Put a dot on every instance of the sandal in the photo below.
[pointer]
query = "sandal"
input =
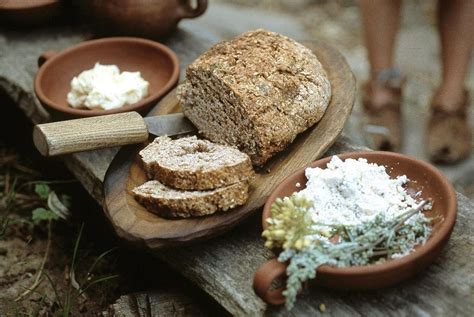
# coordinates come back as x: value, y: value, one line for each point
x: 383, y: 121
x: 448, y: 135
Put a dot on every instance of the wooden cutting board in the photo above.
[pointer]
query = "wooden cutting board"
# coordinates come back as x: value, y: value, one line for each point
x: 134, y: 223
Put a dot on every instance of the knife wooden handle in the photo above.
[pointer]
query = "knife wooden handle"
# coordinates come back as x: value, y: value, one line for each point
x: 89, y: 133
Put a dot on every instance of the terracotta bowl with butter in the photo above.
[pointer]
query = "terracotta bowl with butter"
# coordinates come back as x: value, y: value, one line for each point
x: 422, y: 176
x: 157, y: 64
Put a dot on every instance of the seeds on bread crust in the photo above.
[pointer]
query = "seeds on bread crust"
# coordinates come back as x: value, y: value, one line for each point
x: 173, y: 203
x: 193, y: 164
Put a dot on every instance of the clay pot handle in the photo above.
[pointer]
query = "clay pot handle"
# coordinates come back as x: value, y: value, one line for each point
x: 263, y: 279
x: 187, y: 11
x: 45, y: 56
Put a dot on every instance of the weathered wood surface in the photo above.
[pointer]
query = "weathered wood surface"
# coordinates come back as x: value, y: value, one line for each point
x: 171, y: 303
x: 134, y: 223
x: 224, y: 266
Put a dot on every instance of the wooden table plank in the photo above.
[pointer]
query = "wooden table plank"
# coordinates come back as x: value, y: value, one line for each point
x: 171, y: 303
x: 224, y: 266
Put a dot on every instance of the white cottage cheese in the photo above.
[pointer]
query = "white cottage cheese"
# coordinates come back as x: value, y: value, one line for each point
x: 104, y: 87
x: 354, y: 191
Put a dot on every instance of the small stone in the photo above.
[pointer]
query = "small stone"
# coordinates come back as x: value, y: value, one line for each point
x: 322, y: 307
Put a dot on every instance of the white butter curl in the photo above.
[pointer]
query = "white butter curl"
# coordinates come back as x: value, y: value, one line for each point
x: 104, y: 87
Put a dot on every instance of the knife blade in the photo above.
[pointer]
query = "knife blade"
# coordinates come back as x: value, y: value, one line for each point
x: 169, y: 124
x: 105, y: 131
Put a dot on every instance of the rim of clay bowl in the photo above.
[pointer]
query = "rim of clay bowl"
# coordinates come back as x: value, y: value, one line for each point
x: 443, y: 231
x: 15, y: 4
x: 90, y: 113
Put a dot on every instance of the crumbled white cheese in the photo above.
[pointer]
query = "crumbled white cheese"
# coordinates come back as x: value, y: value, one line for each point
x: 353, y: 192
x: 104, y: 87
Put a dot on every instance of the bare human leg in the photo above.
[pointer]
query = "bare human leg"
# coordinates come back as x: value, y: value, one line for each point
x: 381, y: 20
x: 382, y: 93
x: 449, y: 135
x: 456, y: 29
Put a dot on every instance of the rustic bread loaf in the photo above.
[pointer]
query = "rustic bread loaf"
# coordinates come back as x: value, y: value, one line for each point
x: 193, y: 164
x: 256, y: 92
x: 171, y: 203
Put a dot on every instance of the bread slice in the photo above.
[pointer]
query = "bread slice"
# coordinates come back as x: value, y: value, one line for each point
x: 256, y: 92
x: 193, y: 164
x: 172, y: 203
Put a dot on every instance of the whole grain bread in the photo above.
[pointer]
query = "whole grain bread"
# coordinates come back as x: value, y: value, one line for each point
x: 193, y: 164
x: 256, y: 92
x: 172, y: 203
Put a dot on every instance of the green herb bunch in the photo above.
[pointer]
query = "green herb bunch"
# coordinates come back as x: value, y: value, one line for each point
x: 292, y: 229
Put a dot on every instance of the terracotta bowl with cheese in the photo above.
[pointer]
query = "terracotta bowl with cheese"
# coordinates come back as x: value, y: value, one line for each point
x: 157, y: 64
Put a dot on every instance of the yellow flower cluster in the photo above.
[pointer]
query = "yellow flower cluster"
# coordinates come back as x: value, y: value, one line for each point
x: 290, y: 224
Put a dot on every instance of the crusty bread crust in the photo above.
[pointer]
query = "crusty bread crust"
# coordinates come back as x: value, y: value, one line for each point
x: 192, y: 164
x: 256, y: 92
x: 172, y: 203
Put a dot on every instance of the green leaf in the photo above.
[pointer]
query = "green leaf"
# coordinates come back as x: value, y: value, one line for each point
x: 42, y: 190
x: 40, y: 214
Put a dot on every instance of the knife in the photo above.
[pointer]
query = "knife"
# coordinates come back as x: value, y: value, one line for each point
x: 105, y: 131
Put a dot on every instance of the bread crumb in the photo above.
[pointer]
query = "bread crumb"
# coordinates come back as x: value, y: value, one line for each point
x: 298, y: 185
x: 322, y: 307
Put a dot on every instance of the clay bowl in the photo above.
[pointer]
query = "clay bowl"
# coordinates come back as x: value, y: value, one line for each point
x: 423, y: 176
x: 157, y: 63
x: 32, y: 12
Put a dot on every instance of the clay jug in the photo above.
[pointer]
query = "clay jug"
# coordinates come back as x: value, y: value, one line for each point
x: 144, y: 18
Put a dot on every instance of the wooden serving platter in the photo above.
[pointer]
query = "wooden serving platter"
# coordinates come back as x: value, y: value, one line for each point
x: 134, y: 223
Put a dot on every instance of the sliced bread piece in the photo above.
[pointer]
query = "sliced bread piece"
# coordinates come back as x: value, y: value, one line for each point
x: 172, y: 203
x: 193, y: 164
x: 256, y: 92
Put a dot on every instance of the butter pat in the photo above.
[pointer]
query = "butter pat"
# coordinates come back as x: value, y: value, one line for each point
x: 105, y: 87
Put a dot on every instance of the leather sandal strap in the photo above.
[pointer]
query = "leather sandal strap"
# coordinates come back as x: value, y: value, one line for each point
x: 393, y: 104
x: 459, y: 110
x: 390, y: 79
x: 389, y: 76
x: 442, y: 112
x: 389, y: 106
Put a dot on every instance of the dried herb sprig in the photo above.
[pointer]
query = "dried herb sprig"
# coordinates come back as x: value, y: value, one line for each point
x: 291, y: 228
